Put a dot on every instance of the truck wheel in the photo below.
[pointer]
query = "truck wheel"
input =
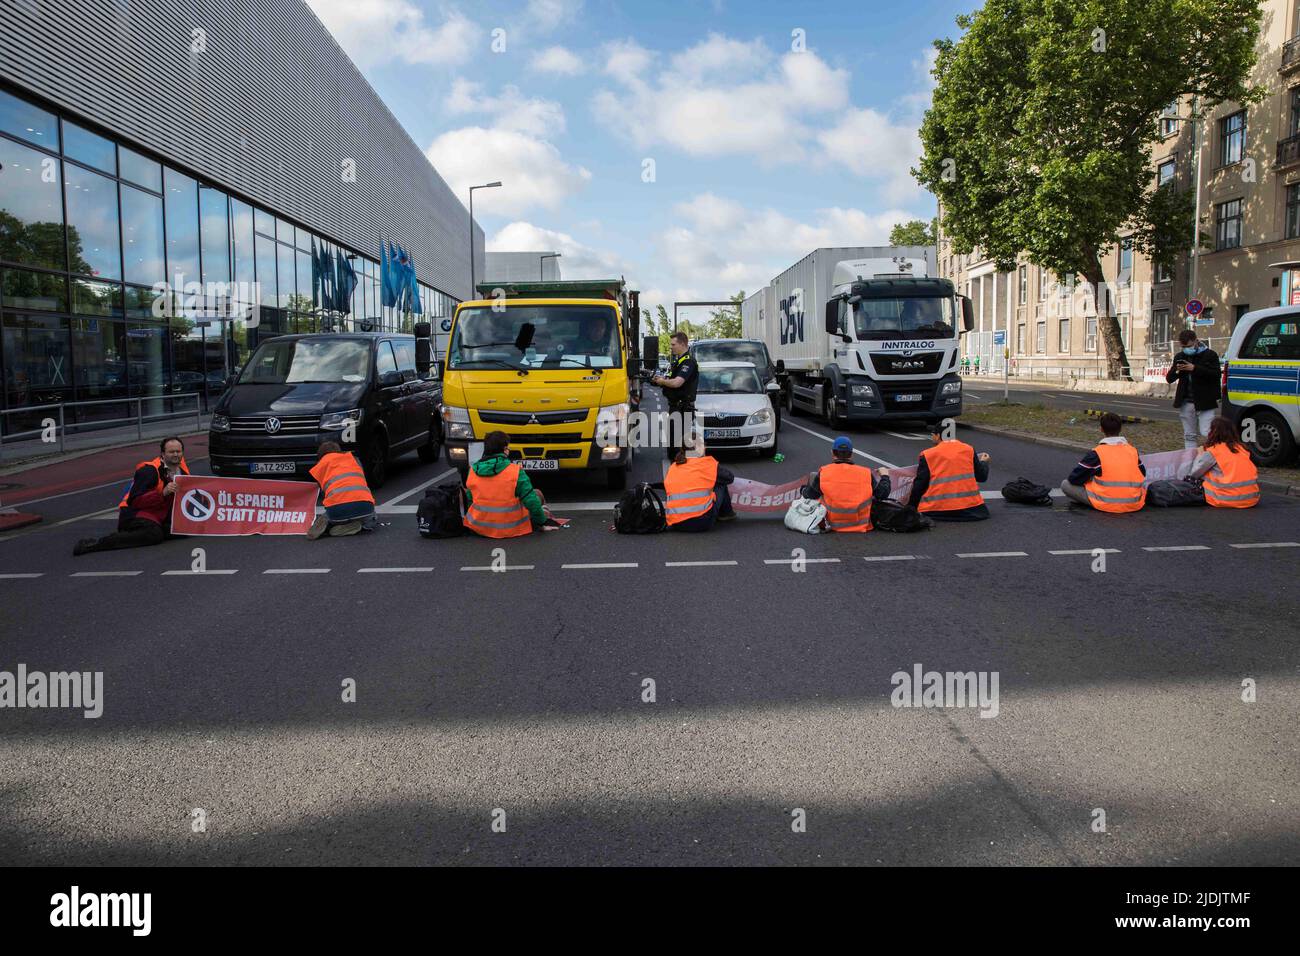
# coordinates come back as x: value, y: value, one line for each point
x: 1273, y: 444
x: 616, y: 478
x: 833, y: 421
x: 376, y: 462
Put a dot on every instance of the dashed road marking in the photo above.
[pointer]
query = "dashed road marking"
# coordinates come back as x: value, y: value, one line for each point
x: 596, y: 567
x: 30, y: 574
x: 801, y: 560
x: 1269, y: 544
x: 392, y: 570
x: 200, y: 574
x: 1179, y: 547
x: 909, y: 437
x: 105, y: 574
x: 699, y: 564
x: 1088, y: 551
x: 994, y: 554
x: 86, y: 517
x: 296, y: 571
x: 509, y: 567
x: 382, y: 508
x: 890, y: 557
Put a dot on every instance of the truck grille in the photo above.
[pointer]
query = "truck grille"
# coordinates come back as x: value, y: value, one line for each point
x: 567, y: 417
x: 924, y: 363
x: 546, y: 438
x: 289, y: 425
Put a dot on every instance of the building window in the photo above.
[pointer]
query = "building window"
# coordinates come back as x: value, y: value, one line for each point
x: 94, y: 243
x: 27, y: 122
x: 1227, y: 225
x: 1063, y: 337
x: 1293, y: 211
x: 1165, y: 172
x: 1164, y: 273
x: 1169, y: 119
x: 1024, y: 284
x: 1044, y: 283
x: 1041, y: 345
x: 142, y: 236
x: 182, y: 214
x: 1160, y: 329
x: 1293, y: 126
x: 1125, y: 322
x: 85, y: 147
x: 31, y: 206
x: 1020, y: 338
x: 1241, y: 311
x: 1090, y: 334
x: 1232, y: 138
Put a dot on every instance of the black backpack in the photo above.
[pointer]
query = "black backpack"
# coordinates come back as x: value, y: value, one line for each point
x: 1022, y: 491
x: 440, y: 511
x: 1175, y: 493
x: 892, y: 516
x: 640, y: 511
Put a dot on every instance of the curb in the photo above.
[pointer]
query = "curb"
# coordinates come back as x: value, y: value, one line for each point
x: 1128, y: 419
x: 1276, y: 487
x: 28, y: 464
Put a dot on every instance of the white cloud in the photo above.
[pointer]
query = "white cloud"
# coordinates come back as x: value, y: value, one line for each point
x: 557, y: 59
x: 721, y: 55
x: 626, y: 61
x: 546, y: 15
x: 532, y: 170
x: 578, y: 261
x: 872, y: 145
x: 374, y: 32
x: 511, y: 110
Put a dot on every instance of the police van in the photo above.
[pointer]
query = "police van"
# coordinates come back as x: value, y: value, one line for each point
x: 1261, y: 382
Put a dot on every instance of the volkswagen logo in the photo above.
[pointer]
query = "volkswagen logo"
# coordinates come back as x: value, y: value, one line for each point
x: 272, y: 426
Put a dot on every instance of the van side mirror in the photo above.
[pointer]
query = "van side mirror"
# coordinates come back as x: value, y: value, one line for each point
x: 833, y: 316
x: 780, y: 365
x: 650, y: 351
x: 967, y: 314
x: 390, y: 379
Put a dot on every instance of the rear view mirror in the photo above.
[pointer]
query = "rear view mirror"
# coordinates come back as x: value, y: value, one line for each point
x: 390, y: 379
x: 780, y: 365
x: 650, y: 351
x: 967, y: 314
x: 833, y: 316
x: 525, y: 338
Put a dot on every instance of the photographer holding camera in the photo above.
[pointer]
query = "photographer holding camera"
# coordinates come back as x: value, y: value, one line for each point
x: 679, y: 389
x: 1196, y: 369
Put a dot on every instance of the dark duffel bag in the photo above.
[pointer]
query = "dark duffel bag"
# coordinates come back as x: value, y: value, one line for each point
x: 639, y: 511
x: 892, y: 516
x: 1022, y: 491
x: 1175, y: 494
x: 440, y: 512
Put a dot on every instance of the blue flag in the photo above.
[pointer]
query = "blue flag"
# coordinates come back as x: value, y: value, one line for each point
x: 348, y: 285
x: 410, y: 288
x: 388, y: 297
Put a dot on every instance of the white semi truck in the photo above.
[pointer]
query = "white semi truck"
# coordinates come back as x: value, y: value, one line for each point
x: 864, y: 334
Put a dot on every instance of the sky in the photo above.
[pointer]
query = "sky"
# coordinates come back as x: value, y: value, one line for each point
x: 697, y: 148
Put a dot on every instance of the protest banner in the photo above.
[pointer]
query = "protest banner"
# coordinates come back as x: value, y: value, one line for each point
x: 241, y: 506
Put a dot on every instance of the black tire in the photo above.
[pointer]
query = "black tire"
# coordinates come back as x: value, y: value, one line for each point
x: 1274, y: 444
x: 789, y: 401
x: 828, y: 408
x: 616, y: 478
x: 376, y: 462
x: 431, y: 449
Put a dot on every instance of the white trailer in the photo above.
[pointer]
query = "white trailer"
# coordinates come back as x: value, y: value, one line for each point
x: 864, y: 333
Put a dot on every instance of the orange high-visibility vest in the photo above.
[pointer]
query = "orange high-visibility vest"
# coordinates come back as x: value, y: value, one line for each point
x: 689, y: 488
x: 952, y: 482
x: 157, y: 463
x: 495, y: 511
x: 340, y: 476
x: 1121, y: 487
x: 1233, y: 482
x: 846, y: 493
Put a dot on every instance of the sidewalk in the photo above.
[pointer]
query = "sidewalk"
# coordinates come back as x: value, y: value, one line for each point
x: 20, y: 455
x: 1100, y: 385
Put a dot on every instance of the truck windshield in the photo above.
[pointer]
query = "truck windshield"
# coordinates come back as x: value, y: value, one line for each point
x: 751, y: 352
x: 564, y: 336
x: 904, y: 318
x: 308, y: 360
x: 729, y: 381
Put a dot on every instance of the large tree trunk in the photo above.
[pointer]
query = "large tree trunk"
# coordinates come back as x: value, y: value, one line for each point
x: 1107, y: 325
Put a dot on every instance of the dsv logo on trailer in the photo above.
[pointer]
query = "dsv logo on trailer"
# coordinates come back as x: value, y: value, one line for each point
x: 791, y: 317
x: 198, y: 505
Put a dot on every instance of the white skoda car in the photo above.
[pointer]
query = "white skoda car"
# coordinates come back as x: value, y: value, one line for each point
x: 735, y: 410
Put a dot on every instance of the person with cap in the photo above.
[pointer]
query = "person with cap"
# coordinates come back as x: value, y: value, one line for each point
x: 349, y: 505
x: 948, y: 473
x: 1111, y: 477
x: 847, y: 490
x: 696, y: 492
x: 500, y: 500
x: 144, y: 515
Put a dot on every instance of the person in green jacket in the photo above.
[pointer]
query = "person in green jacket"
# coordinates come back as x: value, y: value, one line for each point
x: 496, y: 459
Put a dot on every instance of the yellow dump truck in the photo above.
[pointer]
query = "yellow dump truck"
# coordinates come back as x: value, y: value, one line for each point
x: 551, y: 364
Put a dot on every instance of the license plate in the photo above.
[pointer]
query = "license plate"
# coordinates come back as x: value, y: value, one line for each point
x: 539, y: 464
x: 721, y: 433
x: 272, y: 468
x: 908, y: 398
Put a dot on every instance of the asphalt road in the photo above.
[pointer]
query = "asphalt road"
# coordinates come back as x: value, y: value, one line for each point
x: 522, y: 691
x: 989, y: 389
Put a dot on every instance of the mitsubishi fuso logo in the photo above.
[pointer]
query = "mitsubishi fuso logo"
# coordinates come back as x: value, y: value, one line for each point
x: 532, y: 420
x: 272, y: 426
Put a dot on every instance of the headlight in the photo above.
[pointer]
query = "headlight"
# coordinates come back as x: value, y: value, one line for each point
x: 950, y: 387
x: 457, y: 423
x: 219, y: 423
x: 760, y: 417
x: 611, y: 424
x: 862, y: 391
x: 337, y: 421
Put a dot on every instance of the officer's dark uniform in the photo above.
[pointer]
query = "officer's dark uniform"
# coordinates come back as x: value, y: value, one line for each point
x: 682, y: 400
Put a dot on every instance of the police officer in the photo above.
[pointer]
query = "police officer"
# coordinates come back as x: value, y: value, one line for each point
x: 679, y: 389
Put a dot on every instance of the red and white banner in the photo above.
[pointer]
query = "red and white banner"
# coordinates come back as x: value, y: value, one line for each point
x: 240, y: 506
x: 754, y: 497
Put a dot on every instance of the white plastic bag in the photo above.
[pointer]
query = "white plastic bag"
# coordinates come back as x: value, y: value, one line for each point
x: 805, y: 515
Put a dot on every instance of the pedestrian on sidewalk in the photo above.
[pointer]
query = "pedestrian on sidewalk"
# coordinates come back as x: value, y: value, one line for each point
x: 349, y: 505
x: 946, y: 487
x: 144, y: 516
x: 1197, y: 371
x: 1122, y: 490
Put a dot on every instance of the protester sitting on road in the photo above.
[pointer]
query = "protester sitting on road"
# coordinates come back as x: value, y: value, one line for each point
x: 500, y: 499
x: 1231, y: 478
x: 1122, y: 489
x: 144, y: 516
x: 349, y: 505
x: 696, y: 490
x: 846, y: 489
x: 947, y: 480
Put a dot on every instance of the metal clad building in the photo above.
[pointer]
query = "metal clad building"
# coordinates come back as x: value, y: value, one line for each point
x: 521, y: 267
x: 269, y: 107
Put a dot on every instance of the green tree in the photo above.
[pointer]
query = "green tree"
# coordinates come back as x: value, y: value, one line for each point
x: 665, y: 330
x: 725, y: 323
x: 915, y: 232
x: 1039, y: 136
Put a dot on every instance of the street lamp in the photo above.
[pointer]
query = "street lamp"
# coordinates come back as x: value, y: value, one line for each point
x: 541, y: 275
x: 471, y: 231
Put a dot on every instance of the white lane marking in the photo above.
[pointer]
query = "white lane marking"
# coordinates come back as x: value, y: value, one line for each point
x: 698, y: 564
x: 93, y: 514
x: 968, y: 396
x: 105, y: 574
x: 994, y: 554
x: 121, y: 483
x: 879, y: 461
x: 595, y: 567
x: 1269, y: 544
x: 418, y: 488
x: 511, y: 567
x: 997, y: 495
x: 1088, y: 551
x: 29, y: 574
x: 909, y: 437
x: 890, y: 557
x: 296, y: 571
x: 1179, y: 547
x: 391, y: 570
x: 559, y: 507
x: 801, y: 560
x: 199, y: 574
